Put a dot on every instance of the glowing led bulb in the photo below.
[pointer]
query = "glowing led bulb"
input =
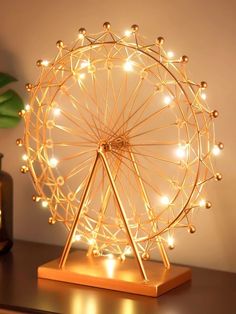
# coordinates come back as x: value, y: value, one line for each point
x: 202, y: 203
x: 128, y: 66
x: 165, y: 200
x: 81, y: 76
x: 180, y: 152
x: 170, y: 54
x: 216, y: 150
x: 53, y: 162
x: 27, y: 107
x: 171, y: 242
x: 77, y: 237
x: 91, y: 241
x: 167, y: 100
x: 84, y: 64
x: 45, y: 63
x: 128, y: 33
x: 24, y: 157
x: 110, y: 256
x: 56, y: 111
x: 81, y: 36
x: 45, y: 203
x: 203, y: 96
x: 128, y: 250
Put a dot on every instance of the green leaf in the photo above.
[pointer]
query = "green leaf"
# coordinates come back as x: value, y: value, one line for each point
x: 10, y: 105
x: 6, y: 79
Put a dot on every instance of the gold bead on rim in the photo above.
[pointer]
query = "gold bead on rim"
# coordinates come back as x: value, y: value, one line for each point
x: 184, y: 59
x: 191, y: 229
x: 203, y: 84
x: 51, y: 221
x: 208, y: 205
x: 107, y: 25
x: 135, y: 28
x: 36, y: 198
x: 28, y: 87
x: 145, y: 256
x: 60, y: 44
x: 218, y: 176
x: 160, y: 40
x: 24, y: 169
x: 82, y: 31
x: 19, y: 142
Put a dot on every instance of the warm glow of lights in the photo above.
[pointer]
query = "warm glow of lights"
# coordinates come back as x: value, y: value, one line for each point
x: 128, y: 250
x: 171, y: 241
x: 45, y: 203
x: 45, y: 63
x: 110, y: 256
x: 216, y: 150
x: 128, y: 33
x: 24, y: 157
x: 110, y: 266
x: 170, y: 54
x: 128, y: 66
x: 167, y: 100
x: 27, y: 107
x: 203, y: 96
x: 81, y: 36
x: 84, y: 64
x: 77, y: 237
x: 91, y: 241
x: 53, y: 162
x: 202, y: 203
x: 81, y: 76
x: 56, y: 111
x: 180, y: 152
x: 165, y: 200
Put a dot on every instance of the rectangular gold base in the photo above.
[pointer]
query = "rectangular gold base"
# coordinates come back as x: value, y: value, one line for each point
x: 112, y: 274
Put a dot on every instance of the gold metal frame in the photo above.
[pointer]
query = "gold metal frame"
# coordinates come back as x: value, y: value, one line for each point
x: 120, y: 138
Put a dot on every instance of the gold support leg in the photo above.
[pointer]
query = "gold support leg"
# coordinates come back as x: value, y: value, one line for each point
x: 75, y: 222
x: 103, y: 208
x: 148, y: 208
x: 123, y: 216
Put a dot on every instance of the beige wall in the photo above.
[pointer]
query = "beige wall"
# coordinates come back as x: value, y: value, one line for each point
x: 203, y: 30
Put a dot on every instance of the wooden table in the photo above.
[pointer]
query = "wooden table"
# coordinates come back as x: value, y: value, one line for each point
x: 210, y: 292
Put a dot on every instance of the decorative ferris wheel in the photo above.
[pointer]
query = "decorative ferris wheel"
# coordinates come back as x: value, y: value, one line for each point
x: 119, y: 144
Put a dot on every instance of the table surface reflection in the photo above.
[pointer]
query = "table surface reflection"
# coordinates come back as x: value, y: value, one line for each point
x: 209, y: 292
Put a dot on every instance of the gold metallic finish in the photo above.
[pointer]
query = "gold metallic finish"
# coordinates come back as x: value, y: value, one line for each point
x: 208, y: 205
x: 220, y: 145
x: 191, y: 229
x: 145, y: 256
x: 24, y: 169
x: 123, y: 276
x: 218, y: 176
x: 215, y: 114
x: 36, y: 198
x: 203, y: 84
x: 171, y: 246
x: 107, y: 25
x: 39, y: 63
x: 185, y: 59
x: 135, y: 27
x: 51, y: 221
x: 82, y: 31
x: 119, y: 143
x: 28, y: 87
x: 19, y: 142
x: 60, y: 44
x: 160, y: 40
x: 21, y: 113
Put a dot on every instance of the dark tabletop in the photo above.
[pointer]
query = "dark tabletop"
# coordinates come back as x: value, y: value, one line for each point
x: 210, y: 292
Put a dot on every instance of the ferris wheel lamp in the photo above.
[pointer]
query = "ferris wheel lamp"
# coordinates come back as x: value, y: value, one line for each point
x: 119, y: 143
